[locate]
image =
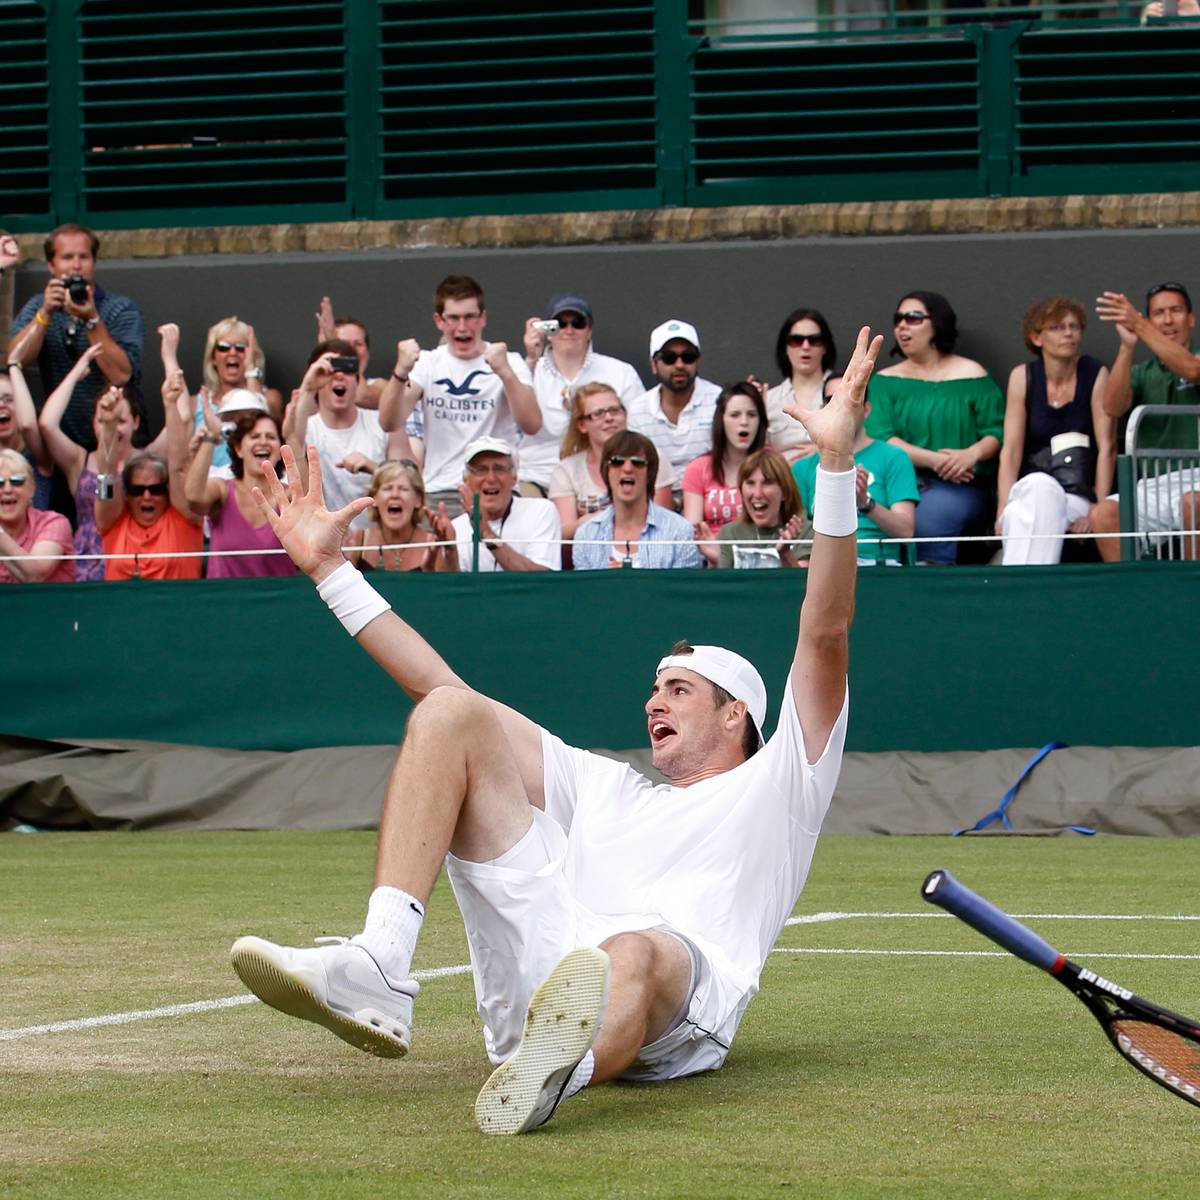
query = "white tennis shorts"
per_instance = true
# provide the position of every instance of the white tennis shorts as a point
(521, 921)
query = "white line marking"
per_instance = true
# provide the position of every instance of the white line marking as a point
(819, 918)
(180, 1010)
(199, 1006)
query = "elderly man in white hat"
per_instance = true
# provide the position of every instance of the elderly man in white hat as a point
(677, 413)
(617, 927)
(516, 533)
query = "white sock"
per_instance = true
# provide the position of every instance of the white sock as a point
(582, 1076)
(390, 934)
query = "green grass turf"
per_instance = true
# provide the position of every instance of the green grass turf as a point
(852, 1075)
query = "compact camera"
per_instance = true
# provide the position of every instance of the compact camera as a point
(227, 427)
(347, 364)
(546, 327)
(77, 289)
(106, 487)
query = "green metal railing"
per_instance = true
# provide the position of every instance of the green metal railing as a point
(145, 112)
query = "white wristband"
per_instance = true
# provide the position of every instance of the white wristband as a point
(351, 598)
(835, 504)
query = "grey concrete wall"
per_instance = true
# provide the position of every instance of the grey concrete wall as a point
(735, 292)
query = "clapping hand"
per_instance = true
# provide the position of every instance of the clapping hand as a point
(1117, 309)
(306, 529)
(325, 326)
(10, 251)
(357, 462)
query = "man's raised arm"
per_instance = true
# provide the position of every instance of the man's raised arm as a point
(313, 537)
(818, 674)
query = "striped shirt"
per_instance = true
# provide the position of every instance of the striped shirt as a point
(653, 550)
(681, 441)
(66, 340)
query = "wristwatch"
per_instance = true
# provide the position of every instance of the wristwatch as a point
(91, 324)
(868, 507)
(254, 373)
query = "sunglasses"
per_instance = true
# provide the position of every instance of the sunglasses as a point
(225, 347)
(600, 413)
(670, 357)
(16, 480)
(146, 489)
(805, 339)
(909, 318)
(565, 322)
(634, 460)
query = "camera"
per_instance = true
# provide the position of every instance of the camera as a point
(106, 487)
(546, 327)
(227, 427)
(77, 289)
(347, 364)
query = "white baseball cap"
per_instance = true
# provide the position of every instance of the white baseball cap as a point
(737, 675)
(668, 331)
(241, 400)
(490, 445)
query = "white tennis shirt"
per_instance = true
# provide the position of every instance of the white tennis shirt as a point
(723, 861)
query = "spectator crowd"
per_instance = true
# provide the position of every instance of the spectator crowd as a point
(482, 457)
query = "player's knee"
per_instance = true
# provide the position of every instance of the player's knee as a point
(448, 708)
(635, 960)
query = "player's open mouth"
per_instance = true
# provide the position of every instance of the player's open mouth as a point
(660, 731)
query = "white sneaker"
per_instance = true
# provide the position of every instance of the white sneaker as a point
(337, 985)
(562, 1022)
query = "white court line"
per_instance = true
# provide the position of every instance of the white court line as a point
(178, 1010)
(818, 918)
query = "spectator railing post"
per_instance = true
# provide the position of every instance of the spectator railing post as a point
(1128, 505)
(475, 520)
(997, 98)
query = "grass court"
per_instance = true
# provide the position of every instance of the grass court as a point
(891, 1052)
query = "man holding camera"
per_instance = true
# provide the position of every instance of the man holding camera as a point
(73, 313)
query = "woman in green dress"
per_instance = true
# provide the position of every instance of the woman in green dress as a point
(947, 414)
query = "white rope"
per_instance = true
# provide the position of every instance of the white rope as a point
(359, 550)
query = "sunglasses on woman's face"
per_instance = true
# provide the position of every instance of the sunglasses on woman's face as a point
(225, 347)
(16, 480)
(805, 339)
(909, 318)
(146, 489)
(634, 460)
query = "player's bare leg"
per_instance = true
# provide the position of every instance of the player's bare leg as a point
(455, 787)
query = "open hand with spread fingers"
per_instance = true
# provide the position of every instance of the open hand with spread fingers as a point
(311, 534)
(834, 428)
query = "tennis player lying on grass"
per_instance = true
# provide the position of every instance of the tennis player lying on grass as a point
(617, 929)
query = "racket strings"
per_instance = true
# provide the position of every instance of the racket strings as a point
(1172, 1059)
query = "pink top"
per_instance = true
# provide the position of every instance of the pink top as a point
(231, 531)
(721, 502)
(43, 526)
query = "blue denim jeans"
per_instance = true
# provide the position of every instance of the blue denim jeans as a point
(946, 509)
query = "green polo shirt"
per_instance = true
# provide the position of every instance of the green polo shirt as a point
(1152, 383)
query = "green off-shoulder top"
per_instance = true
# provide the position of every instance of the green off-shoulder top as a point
(946, 415)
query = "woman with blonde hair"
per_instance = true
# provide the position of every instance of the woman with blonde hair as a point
(576, 487)
(233, 359)
(397, 539)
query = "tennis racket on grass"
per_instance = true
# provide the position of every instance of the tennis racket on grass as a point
(1160, 1043)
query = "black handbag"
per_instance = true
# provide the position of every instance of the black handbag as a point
(1073, 468)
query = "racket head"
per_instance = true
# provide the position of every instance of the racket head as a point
(1163, 1045)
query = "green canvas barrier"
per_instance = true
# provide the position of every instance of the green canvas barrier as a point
(961, 659)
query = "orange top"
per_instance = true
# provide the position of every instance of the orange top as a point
(172, 532)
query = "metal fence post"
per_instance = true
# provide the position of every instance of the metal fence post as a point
(1127, 503)
(672, 85)
(64, 77)
(364, 79)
